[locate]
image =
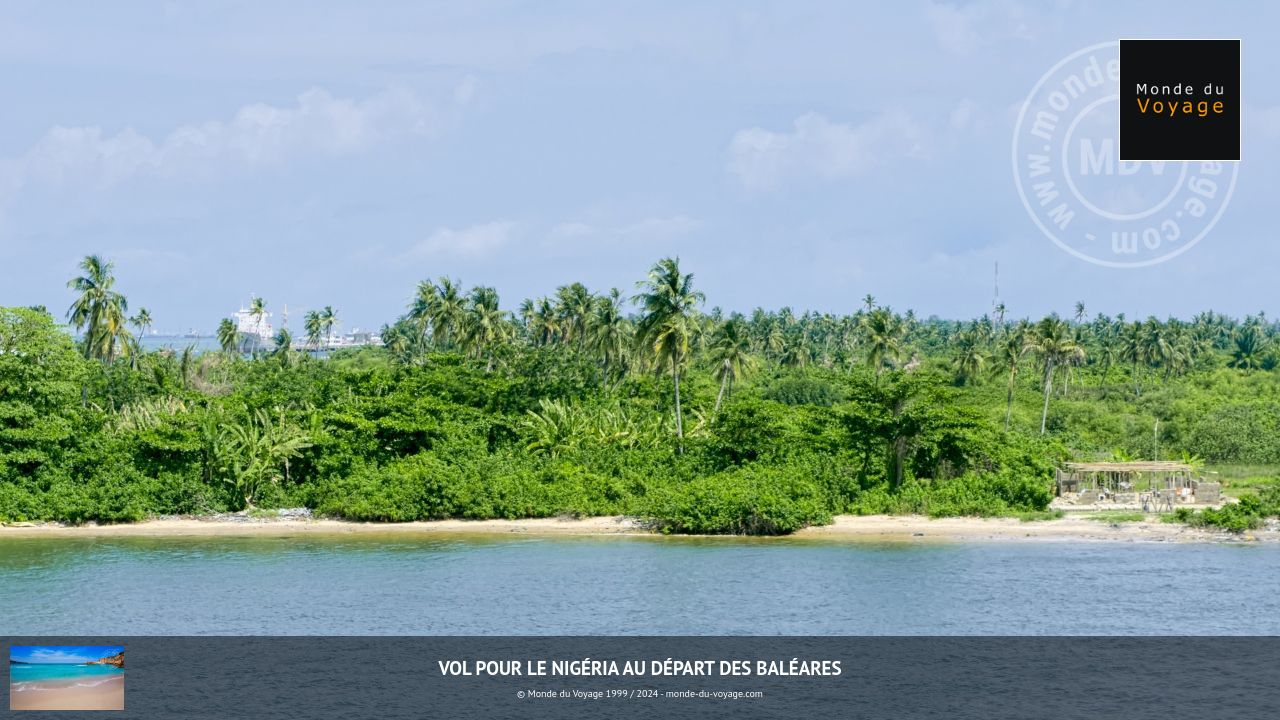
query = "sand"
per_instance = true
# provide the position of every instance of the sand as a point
(908, 528)
(107, 695)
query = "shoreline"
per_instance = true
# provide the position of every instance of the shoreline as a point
(107, 694)
(852, 528)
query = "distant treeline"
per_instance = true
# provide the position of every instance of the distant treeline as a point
(584, 404)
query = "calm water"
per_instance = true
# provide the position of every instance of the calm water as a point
(385, 585)
(62, 674)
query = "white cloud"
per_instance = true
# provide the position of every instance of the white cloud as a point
(817, 147)
(962, 28)
(54, 655)
(647, 229)
(954, 27)
(476, 241)
(257, 135)
(964, 115)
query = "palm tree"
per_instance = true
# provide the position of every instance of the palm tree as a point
(484, 324)
(99, 310)
(608, 330)
(448, 313)
(1107, 349)
(228, 336)
(541, 322)
(883, 333)
(1052, 341)
(730, 353)
(970, 360)
(422, 309)
(1251, 348)
(142, 321)
(1011, 350)
(1134, 349)
(396, 340)
(574, 304)
(283, 350)
(1080, 311)
(257, 310)
(668, 304)
(313, 325)
(794, 353)
(328, 318)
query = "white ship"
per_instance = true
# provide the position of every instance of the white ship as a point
(256, 332)
(254, 329)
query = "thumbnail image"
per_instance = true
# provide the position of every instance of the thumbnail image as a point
(66, 677)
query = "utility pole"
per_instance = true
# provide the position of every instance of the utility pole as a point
(995, 298)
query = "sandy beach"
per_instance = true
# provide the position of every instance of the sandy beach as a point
(106, 694)
(905, 528)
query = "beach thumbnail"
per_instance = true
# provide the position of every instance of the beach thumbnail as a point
(66, 677)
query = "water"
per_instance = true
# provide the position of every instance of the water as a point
(391, 585)
(62, 674)
(178, 344)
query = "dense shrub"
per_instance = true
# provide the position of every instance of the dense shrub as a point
(805, 391)
(978, 494)
(743, 501)
(1247, 514)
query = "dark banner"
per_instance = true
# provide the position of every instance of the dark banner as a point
(670, 677)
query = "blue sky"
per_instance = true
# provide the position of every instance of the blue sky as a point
(62, 654)
(800, 154)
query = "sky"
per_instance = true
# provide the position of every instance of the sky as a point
(62, 654)
(791, 154)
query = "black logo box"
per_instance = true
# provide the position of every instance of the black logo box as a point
(1186, 67)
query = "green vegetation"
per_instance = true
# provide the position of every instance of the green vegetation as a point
(588, 403)
(1250, 513)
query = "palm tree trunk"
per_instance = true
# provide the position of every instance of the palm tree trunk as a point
(724, 382)
(899, 460)
(1048, 390)
(675, 374)
(1008, 412)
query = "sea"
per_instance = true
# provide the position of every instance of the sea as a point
(375, 584)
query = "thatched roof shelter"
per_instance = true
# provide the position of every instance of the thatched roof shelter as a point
(1140, 466)
(1125, 477)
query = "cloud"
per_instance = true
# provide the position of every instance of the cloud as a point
(816, 147)
(257, 135)
(647, 229)
(476, 241)
(954, 28)
(963, 28)
(56, 654)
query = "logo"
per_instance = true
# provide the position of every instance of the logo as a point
(1082, 196)
(1180, 100)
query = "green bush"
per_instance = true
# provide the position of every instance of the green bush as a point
(979, 494)
(414, 488)
(743, 501)
(804, 391)
(1248, 514)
